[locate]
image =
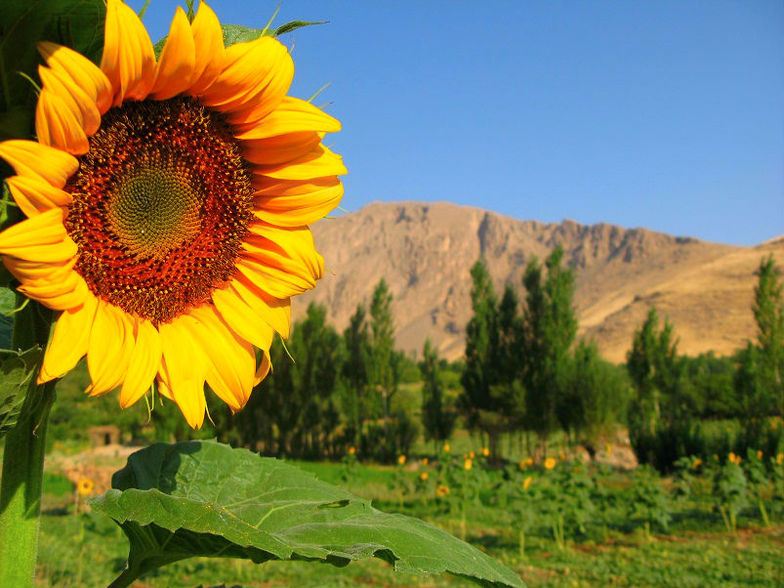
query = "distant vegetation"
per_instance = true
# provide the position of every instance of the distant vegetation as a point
(524, 377)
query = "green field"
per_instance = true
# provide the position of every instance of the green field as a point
(612, 549)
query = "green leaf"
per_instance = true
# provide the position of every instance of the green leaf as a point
(296, 24)
(75, 23)
(239, 34)
(206, 499)
(16, 373)
(7, 306)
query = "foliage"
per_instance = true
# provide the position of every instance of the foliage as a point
(649, 502)
(203, 498)
(595, 396)
(549, 328)
(768, 309)
(438, 417)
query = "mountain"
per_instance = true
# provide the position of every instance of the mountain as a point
(425, 252)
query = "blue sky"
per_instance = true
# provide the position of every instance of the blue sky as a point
(667, 115)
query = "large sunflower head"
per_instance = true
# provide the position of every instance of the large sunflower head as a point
(168, 203)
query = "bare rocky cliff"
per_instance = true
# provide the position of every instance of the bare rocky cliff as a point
(425, 252)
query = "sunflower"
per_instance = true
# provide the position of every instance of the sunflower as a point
(84, 487)
(168, 201)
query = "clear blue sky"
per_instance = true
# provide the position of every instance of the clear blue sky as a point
(667, 115)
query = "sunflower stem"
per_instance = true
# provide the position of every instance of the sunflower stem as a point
(23, 463)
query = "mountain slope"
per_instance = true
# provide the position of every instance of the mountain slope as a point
(425, 251)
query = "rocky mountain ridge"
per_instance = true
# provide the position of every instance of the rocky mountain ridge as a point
(425, 252)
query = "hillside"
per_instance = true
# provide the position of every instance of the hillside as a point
(425, 251)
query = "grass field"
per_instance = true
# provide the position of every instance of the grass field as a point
(87, 549)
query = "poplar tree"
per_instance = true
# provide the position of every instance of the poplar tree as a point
(438, 417)
(768, 309)
(355, 372)
(479, 375)
(549, 328)
(384, 361)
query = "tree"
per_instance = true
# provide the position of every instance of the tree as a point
(478, 404)
(597, 394)
(438, 417)
(384, 364)
(768, 309)
(355, 372)
(549, 328)
(652, 363)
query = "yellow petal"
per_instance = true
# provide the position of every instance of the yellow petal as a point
(35, 271)
(290, 116)
(283, 262)
(264, 368)
(241, 317)
(71, 292)
(282, 149)
(81, 72)
(318, 163)
(208, 40)
(41, 238)
(109, 351)
(56, 124)
(34, 195)
(77, 100)
(243, 295)
(144, 364)
(177, 60)
(288, 203)
(69, 341)
(184, 369)
(250, 75)
(128, 58)
(32, 159)
(233, 361)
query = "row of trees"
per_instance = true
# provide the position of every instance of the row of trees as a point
(523, 372)
(328, 391)
(674, 395)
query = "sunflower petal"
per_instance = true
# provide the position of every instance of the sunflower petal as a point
(241, 317)
(128, 58)
(317, 163)
(69, 342)
(33, 195)
(246, 298)
(32, 159)
(283, 262)
(41, 238)
(71, 292)
(109, 351)
(255, 74)
(177, 60)
(233, 361)
(264, 368)
(34, 271)
(144, 364)
(80, 72)
(77, 100)
(56, 124)
(288, 203)
(184, 369)
(282, 149)
(291, 115)
(208, 40)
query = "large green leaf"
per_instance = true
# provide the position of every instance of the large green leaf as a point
(207, 499)
(75, 23)
(16, 372)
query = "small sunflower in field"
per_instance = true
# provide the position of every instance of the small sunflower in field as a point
(468, 464)
(401, 460)
(550, 463)
(168, 204)
(85, 487)
(442, 491)
(424, 476)
(526, 483)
